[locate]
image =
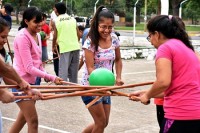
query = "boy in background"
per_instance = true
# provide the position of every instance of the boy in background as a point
(46, 30)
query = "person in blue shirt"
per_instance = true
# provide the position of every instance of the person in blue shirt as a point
(5, 13)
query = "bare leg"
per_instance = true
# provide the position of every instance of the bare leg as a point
(29, 114)
(18, 124)
(100, 114)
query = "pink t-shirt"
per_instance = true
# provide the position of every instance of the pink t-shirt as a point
(182, 98)
(27, 57)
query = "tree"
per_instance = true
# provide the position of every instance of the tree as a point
(175, 6)
(191, 10)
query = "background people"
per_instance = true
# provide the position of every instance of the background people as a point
(55, 51)
(66, 34)
(46, 30)
(5, 13)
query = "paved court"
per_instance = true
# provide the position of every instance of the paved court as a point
(69, 115)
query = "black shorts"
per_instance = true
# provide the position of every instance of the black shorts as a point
(180, 126)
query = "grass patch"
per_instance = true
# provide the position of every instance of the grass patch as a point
(141, 28)
(193, 28)
(137, 27)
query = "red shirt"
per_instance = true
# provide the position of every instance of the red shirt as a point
(158, 101)
(46, 29)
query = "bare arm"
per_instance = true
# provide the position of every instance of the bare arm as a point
(81, 63)
(89, 60)
(78, 33)
(163, 77)
(54, 44)
(9, 81)
(118, 66)
(9, 72)
(50, 25)
(163, 80)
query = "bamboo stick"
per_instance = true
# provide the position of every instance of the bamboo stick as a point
(45, 62)
(93, 101)
(120, 93)
(60, 90)
(53, 86)
(98, 90)
(107, 88)
(56, 95)
(70, 83)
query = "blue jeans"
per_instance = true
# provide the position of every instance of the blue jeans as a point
(104, 100)
(38, 81)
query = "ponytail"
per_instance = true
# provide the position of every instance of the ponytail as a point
(93, 33)
(170, 27)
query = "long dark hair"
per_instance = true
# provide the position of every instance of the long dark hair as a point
(170, 27)
(3, 26)
(101, 12)
(29, 14)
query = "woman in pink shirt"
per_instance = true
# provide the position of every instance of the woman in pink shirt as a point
(177, 76)
(28, 64)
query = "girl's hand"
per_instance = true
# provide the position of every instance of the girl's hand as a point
(46, 80)
(58, 81)
(24, 85)
(139, 96)
(35, 93)
(119, 82)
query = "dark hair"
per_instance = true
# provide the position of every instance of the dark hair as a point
(44, 16)
(170, 27)
(101, 12)
(3, 24)
(8, 8)
(61, 8)
(29, 14)
(81, 28)
(3, 52)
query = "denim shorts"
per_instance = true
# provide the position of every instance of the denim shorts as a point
(103, 100)
(16, 90)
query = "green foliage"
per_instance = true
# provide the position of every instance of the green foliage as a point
(122, 8)
(191, 10)
(86, 7)
(129, 17)
(44, 5)
(140, 27)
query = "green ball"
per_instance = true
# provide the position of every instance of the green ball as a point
(43, 35)
(102, 77)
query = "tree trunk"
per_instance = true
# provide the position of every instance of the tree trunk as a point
(138, 15)
(175, 7)
(158, 7)
(17, 15)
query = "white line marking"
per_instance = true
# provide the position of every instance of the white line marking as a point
(138, 73)
(40, 126)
